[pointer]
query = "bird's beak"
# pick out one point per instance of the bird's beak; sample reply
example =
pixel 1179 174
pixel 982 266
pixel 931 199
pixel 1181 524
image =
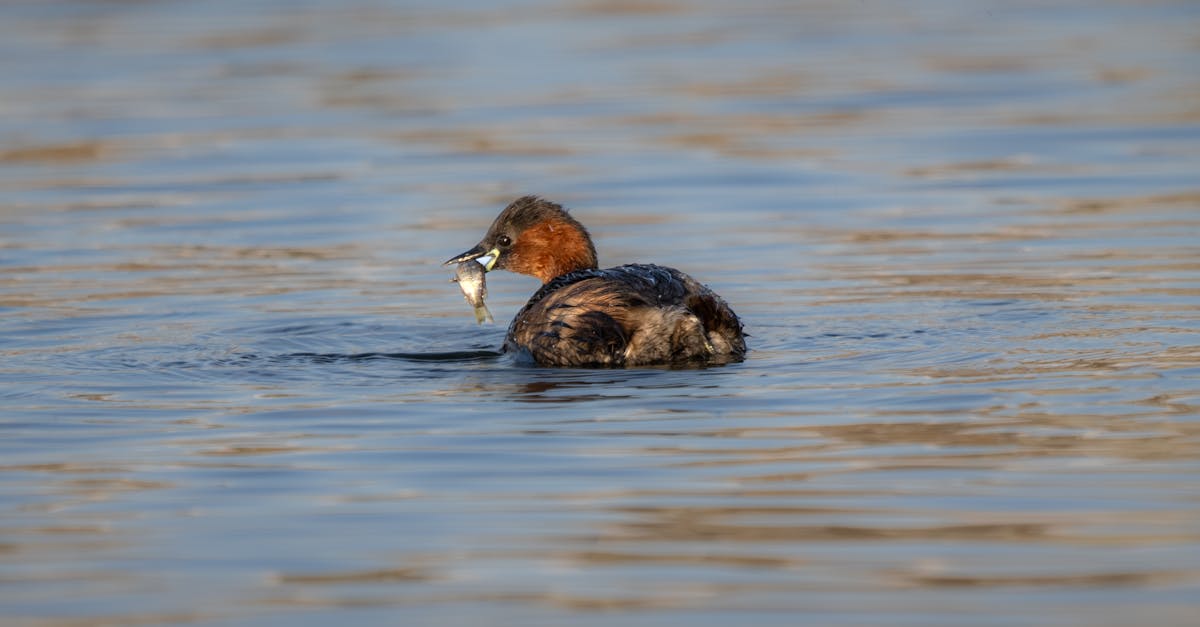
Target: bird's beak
pixel 478 253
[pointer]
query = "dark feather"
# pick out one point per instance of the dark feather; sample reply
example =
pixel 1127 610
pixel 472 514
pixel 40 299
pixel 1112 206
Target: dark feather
pixel 629 315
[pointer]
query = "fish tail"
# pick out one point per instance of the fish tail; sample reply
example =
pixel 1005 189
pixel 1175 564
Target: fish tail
pixel 482 314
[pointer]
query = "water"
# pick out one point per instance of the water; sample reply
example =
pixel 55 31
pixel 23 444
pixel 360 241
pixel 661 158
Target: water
pixel 238 387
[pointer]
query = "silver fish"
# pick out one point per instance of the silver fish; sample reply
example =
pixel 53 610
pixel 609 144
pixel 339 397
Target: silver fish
pixel 470 278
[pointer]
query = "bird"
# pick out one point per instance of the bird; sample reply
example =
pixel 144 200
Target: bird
pixel 584 316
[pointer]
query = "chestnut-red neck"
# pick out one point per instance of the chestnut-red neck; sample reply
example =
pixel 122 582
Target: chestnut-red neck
pixel 551 248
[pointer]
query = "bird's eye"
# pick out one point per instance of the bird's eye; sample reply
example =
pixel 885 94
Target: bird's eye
pixel 504 241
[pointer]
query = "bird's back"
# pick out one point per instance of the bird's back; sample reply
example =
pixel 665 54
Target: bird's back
pixel 625 316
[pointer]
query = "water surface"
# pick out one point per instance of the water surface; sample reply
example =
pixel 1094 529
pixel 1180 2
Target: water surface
pixel 238 387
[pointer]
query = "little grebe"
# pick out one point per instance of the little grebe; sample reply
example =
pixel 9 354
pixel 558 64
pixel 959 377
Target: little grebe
pixel 630 315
